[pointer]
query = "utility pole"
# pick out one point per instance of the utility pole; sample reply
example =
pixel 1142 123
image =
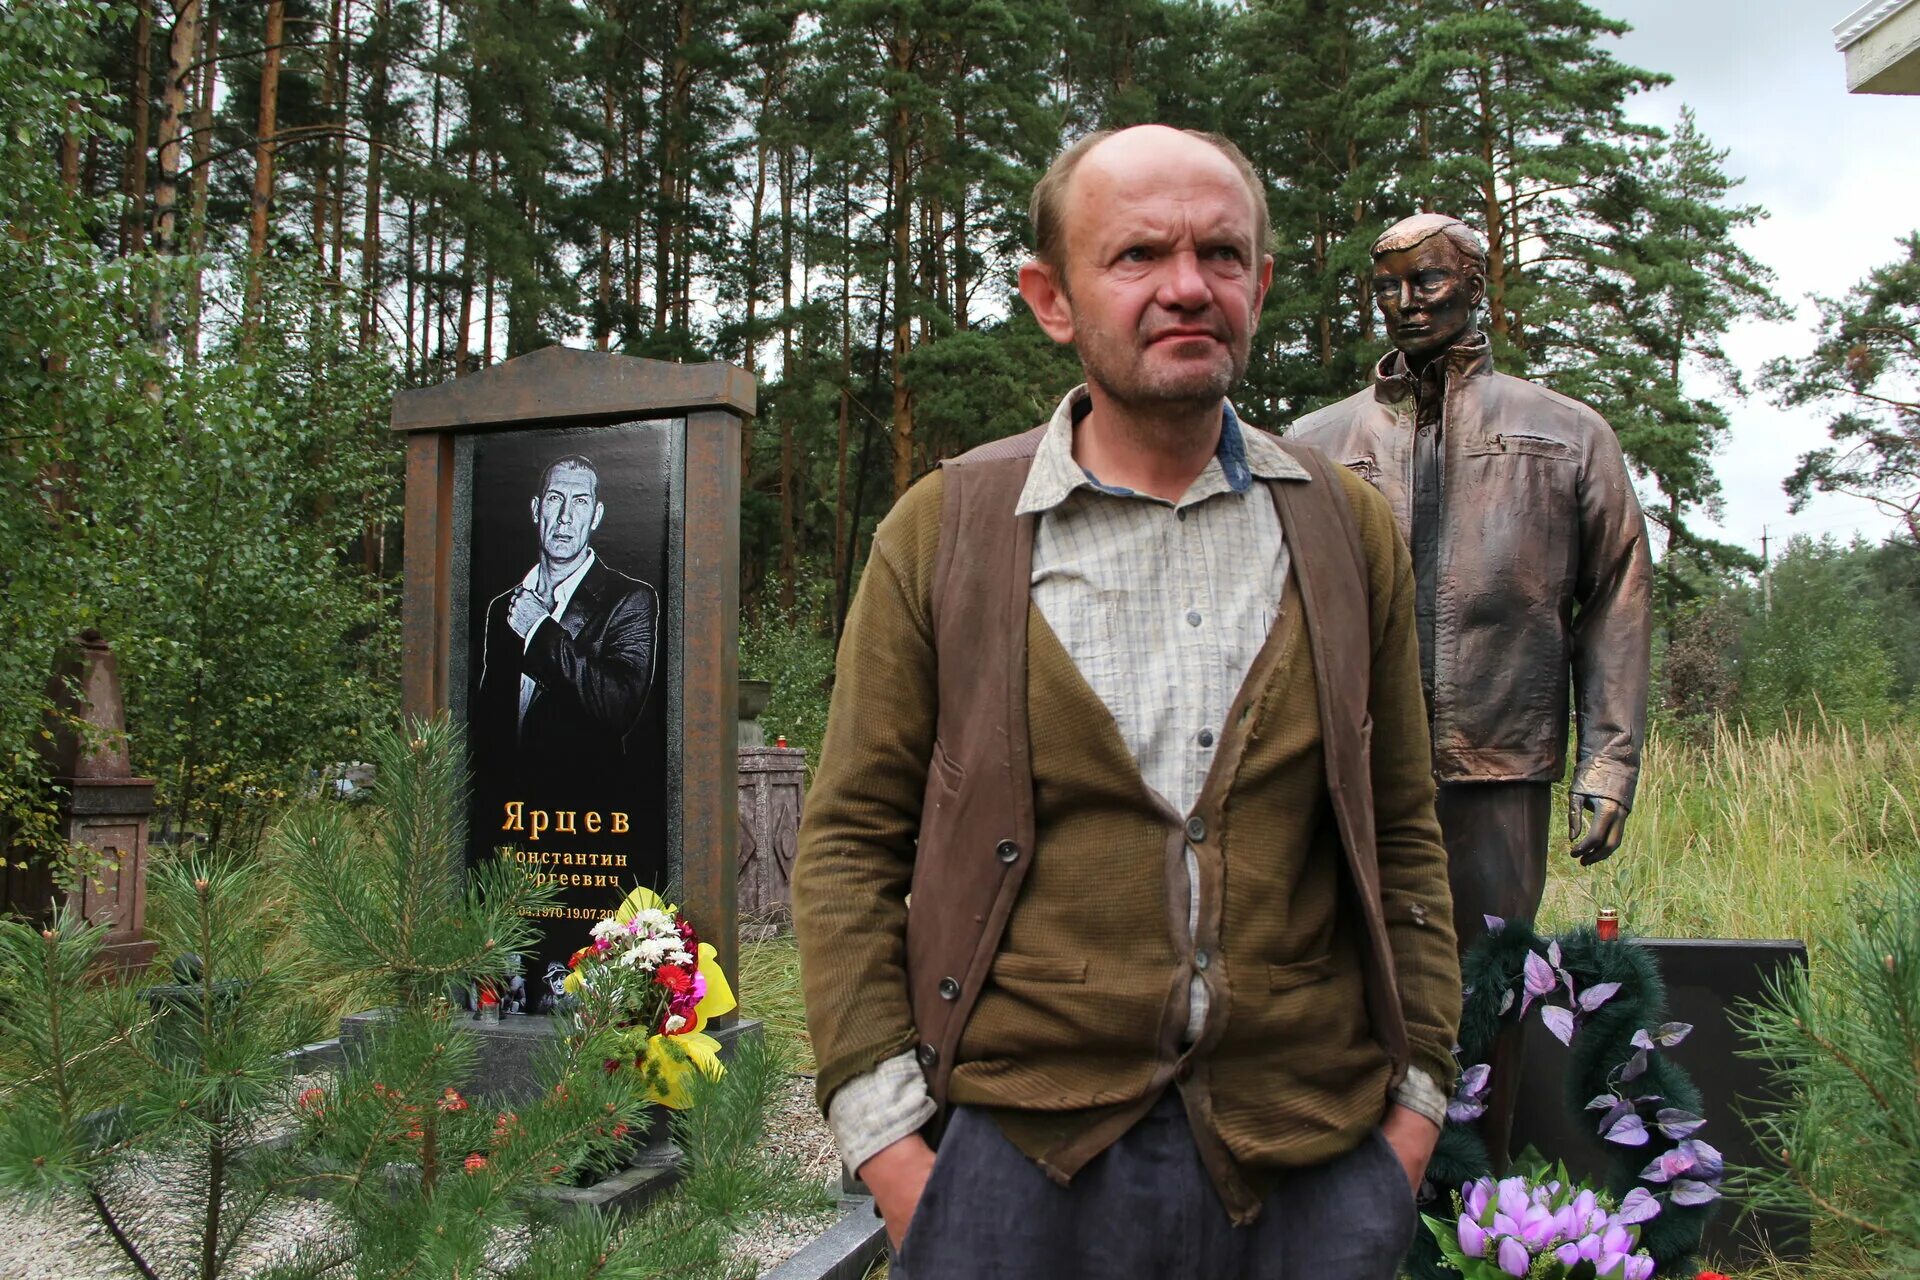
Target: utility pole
pixel 1766 573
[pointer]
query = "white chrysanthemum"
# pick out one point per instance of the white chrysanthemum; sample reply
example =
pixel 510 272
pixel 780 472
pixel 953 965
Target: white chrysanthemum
pixel 674 1024
pixel 608 928
pixel 680 957
pixel 653 950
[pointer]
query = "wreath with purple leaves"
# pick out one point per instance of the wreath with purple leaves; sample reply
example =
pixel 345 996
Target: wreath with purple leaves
pixel 1605 1001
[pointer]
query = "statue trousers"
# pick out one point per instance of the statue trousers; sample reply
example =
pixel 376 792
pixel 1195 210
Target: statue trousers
pixel 1496 837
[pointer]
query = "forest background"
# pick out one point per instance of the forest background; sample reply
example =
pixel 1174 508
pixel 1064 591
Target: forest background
pixel 235 227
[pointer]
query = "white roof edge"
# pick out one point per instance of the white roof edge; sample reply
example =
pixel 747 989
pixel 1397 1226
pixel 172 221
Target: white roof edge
pixel 1864 19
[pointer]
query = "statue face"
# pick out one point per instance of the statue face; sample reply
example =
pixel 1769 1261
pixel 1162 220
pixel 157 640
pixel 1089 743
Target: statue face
pixel 1427 295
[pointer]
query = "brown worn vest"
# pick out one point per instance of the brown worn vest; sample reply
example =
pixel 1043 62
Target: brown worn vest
pixel 977 824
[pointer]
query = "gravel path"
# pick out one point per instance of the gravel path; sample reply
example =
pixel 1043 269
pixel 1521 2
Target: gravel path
pixel 63 1239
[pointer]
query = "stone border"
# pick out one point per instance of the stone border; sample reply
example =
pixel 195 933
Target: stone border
pixel 844 1251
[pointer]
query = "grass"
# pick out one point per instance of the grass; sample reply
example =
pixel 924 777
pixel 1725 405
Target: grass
pixel 770 991
pixel 1752 837
pixel 1757 836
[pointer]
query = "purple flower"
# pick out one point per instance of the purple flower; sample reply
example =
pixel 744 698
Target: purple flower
pixel 1628 1131
pixel 1707 1160
pixel 1598 994
pixel 1467 1103
pixel 1638 1267
pixel 1539 979
pixel 1676 1123
pixel 1478 1194
pixel 1688 1191
pixel 1667 1166
pixel 1473 1238
pixel 1638 1206
pixel 1537 1227
pixel 1568 1254
pixel 1513 1196
pixel 1514 1259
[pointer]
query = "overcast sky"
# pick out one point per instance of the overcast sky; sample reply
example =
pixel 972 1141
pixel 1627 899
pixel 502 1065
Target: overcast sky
pixel 1838 172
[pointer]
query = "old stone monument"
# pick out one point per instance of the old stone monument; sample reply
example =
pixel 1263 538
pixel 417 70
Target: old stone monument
pixel 571 599
pixel 103 808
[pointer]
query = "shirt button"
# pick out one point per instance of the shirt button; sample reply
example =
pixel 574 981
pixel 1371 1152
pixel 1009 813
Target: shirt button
pixel 1007 851
pixel 949 989
pixel 1181 514
pixel 1201 960
pixel 1206 737
pixel 1193 617
pixel 1196 829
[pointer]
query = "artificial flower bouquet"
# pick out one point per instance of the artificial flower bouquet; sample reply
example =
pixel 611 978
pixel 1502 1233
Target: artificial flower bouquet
pixel 1550 1228
pixel 648 978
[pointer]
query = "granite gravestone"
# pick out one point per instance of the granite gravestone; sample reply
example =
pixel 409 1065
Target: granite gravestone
pixel 572 546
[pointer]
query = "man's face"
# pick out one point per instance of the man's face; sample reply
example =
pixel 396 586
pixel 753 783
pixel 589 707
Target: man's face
pixel 1162 281
pixel 1427 295
pixel 567 512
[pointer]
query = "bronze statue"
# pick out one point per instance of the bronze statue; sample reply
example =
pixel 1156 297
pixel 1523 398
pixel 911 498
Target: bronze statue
pixel 1532 582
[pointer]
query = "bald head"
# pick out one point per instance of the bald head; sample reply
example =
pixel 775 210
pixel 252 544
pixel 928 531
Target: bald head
pixel 1144 155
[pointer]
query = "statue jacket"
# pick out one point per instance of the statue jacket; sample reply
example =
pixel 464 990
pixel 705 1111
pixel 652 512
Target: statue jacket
pixel 1542 573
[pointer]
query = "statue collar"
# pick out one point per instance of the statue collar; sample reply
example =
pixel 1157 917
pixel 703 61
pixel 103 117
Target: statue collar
pixel 1471 357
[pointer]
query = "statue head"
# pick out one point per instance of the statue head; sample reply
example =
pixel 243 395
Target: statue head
pixel 1429 277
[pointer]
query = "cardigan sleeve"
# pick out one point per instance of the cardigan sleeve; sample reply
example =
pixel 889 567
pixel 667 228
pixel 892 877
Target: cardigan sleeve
pixel 854 865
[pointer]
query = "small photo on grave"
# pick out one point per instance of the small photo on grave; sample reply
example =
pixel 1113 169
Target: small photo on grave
pixel 562 680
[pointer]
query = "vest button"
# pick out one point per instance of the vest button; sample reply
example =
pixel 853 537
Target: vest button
pixel 949 989
pixel 1201 960
pixel 928 1055
pixel 1007 851
pixel 1196 828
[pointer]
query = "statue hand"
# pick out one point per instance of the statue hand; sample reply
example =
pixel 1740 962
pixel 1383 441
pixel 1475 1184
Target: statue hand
pixel 1605 827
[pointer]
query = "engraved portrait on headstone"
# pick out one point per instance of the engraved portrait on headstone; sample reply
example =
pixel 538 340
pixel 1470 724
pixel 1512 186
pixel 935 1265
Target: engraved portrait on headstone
pixel 564 657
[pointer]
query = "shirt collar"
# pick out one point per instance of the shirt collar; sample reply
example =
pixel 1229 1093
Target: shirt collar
pixel 1242 456
pixel 1394 380
pixel 564 589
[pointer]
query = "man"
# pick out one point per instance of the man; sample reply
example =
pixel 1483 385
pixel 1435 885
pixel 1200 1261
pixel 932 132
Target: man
pixel 1129 705
pixel 1530 559
pixel 569 653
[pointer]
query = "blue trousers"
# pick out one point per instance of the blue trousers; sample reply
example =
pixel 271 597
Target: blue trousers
pixel 1145 1208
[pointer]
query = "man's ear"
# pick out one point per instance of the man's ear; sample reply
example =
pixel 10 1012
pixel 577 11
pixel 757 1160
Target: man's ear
pixel 1046 295
pixel 599 510
pixel 533 505
pixel 1477 289
pixel 1266 283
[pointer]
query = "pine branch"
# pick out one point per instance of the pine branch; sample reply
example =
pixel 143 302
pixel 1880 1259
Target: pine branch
pixel 1834 1051
pixel 119 1236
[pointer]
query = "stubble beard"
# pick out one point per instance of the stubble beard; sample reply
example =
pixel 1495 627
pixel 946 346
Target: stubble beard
pixel 1160 406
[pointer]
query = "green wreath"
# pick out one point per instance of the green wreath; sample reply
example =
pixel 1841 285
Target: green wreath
pixel 1605 1001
